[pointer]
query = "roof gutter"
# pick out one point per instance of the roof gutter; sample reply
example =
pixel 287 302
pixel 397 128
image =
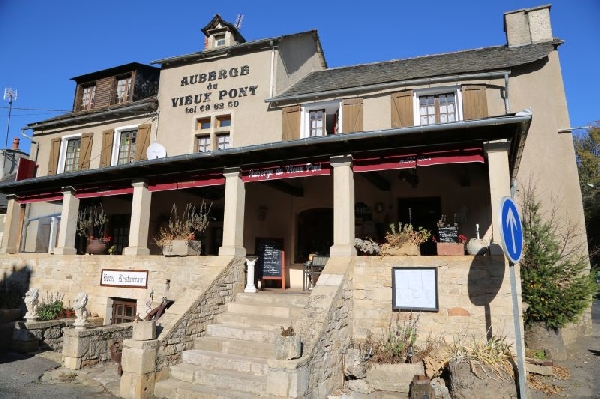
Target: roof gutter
pixel 389 85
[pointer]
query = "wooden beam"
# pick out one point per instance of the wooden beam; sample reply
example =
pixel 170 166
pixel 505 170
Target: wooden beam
pixel 287 188
pixel 377 180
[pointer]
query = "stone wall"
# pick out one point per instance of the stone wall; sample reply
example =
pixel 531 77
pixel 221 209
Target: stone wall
pixel 195 308
pixel 47 335
pixel 71 274
pixel 474 296
pixel 83 348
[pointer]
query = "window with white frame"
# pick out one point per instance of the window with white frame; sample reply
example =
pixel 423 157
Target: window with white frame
pixel 437 105
pixel 213 129
pixel 70 150
pixel 223 141
pixel 219 40
pixel 124 145
pixel 87 98
pixel 123 89
pixel 320 119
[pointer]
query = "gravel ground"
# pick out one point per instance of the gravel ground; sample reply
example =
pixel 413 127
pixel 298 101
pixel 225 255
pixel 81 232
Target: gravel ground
pixel 583 366
pixel 40 376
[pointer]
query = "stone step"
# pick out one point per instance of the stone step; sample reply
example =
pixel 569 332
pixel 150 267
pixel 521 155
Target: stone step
pixel 255 334
pixel 225 361
pixel 175 389
pixel 261 298
pixel 263 350
pixel 264 310
pixel 223 379
pixel 267 322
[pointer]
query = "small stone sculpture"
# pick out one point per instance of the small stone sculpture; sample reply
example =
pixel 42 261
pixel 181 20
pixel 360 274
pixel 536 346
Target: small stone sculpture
pixel 32 299
pixel 81 313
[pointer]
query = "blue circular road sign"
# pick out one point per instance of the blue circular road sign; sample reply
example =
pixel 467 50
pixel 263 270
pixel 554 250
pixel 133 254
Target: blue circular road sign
pixel 511 229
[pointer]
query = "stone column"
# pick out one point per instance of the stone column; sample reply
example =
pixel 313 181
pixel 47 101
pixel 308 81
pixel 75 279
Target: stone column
pixel 343 207
pixel 499 176
pixel 140 220
pixel 68 223
pixel 233 221
pixel 10 239
pixel 139 362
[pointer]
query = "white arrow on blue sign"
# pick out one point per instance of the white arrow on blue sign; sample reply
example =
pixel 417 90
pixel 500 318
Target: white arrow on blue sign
pixel 511 229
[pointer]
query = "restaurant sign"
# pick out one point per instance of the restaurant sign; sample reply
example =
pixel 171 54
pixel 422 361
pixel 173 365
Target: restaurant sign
pixel 124 278
pixel 286 171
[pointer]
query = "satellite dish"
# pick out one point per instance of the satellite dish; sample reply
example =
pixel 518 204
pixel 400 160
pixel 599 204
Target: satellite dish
pixel 156 150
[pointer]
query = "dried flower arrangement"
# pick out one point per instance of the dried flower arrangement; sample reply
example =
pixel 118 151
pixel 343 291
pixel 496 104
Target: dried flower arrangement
pixel 185 226
pixel 404 235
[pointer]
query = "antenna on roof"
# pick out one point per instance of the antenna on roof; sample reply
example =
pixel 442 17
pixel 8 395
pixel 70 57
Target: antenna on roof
pixel 238 21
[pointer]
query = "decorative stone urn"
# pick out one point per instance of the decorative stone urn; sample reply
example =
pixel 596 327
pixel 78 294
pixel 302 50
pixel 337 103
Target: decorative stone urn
pixel 182 248
pixel 477 246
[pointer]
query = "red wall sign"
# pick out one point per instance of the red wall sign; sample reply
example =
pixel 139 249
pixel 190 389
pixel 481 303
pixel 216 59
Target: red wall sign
pixel 286 171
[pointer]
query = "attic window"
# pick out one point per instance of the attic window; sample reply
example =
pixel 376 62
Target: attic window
pixel 220 40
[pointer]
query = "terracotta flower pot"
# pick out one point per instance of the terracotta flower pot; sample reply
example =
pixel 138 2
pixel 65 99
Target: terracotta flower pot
pixel 96 247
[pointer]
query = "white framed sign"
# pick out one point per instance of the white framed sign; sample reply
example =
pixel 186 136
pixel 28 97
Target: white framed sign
pixel 415 288
pixel 124 278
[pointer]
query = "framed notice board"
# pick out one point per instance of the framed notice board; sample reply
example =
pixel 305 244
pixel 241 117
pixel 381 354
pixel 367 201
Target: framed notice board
pixel 415 288
pixel 271 259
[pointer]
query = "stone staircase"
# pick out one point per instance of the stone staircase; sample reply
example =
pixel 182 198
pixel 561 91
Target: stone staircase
pixel 230 361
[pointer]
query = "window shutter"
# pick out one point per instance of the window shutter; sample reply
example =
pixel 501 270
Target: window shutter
pixel 474 102
pixel 352 115
pixel 108 137
pixel 402 109
pixel 54 154
pixel 142 141
pixel 290 123
pixel 86 151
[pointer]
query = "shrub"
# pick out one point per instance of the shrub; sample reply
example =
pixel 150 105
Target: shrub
pixel 404 235
pixel 51 307
pixel 555 280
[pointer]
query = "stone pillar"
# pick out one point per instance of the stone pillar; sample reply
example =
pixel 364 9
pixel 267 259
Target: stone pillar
pixel 343 207
pixel 10 239
pixel 139 362
pixel 68 223
pixel 140 220
pixel 233 221
pixel 499 176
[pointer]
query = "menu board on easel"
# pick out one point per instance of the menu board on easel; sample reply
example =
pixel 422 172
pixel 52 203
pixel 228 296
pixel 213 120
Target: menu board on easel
pixel 271 259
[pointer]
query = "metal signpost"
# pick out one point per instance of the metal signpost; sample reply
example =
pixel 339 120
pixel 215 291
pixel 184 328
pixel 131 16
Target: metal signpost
pixel 511 232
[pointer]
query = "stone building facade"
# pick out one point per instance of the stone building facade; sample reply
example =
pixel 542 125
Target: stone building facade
pixel 288 150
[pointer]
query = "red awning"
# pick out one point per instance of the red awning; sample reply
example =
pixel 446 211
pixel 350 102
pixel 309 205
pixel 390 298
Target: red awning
pixel 412 160
pixel 286 171
pixel 211 179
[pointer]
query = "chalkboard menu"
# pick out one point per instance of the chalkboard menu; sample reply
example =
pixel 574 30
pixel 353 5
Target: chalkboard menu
pixel 448 234
pixel 270 257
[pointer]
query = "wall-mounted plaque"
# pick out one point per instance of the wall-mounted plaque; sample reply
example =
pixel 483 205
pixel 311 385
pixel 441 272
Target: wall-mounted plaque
pixel 414 289
pixel 124 278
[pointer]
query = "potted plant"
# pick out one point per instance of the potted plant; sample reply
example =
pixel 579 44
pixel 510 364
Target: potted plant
pixel 405 240
pixel 288 345
pixel 449 241
pixel 180 237
pixel 91 224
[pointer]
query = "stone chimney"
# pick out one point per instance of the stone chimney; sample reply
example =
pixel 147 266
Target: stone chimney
pixel 527 26
pixel 15 143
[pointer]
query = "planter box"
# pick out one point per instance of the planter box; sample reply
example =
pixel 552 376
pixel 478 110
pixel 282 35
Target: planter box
pixel 182 248
pixel 405 250
pixel 393 377
pixel 450 249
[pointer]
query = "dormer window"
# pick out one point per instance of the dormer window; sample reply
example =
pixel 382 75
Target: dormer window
pixel 87 98
pixel 123 89
pixel 220 40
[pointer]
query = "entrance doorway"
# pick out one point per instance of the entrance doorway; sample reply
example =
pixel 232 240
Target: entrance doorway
pixel 421 212
pixel 315 233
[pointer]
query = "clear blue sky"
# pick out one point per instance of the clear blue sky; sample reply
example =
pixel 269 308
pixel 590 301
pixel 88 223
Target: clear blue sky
pixel 45 43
